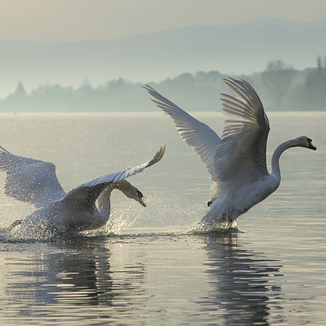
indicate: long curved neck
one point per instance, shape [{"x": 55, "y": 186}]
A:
[
  {"x": 103, "y": 200},
  {"x": 277, "y": 153}
]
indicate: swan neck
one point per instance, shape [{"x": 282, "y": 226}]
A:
[
  {"x": 277, "y": 154},
  {"x": 104, "y": 203}
]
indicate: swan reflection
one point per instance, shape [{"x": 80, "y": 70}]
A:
[
  {"x": 243, "y": 282},
  {"x": 71, "y": 273},
  {"x": 195, "y": 278}
]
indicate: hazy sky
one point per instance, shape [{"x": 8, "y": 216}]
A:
[{"x": 74, "y": 20}]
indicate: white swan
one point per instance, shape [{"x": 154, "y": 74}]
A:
[
  {"x": 83, "y": 208},
  {"x": 237, "y": 160}
]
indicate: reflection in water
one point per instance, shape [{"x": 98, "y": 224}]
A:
[
  {"x": 133, "y": 279},
  {"x": 168, "y": 279},
  {"x": 243, "y": 282},
  {"x": 73, "y": 273}
]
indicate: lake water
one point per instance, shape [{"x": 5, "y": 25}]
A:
[{"x": 145, "y": 269}]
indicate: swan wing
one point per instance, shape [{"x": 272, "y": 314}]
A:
[
  {"x": 242, "y": 150},
  {"x": 196, "y": 134},
  {"x": 30, "y": 180},
  {"x": 85, "y": 195}
]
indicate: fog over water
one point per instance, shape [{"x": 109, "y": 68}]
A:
[{"x": 232, "y": 49}]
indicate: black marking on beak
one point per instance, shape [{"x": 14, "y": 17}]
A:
[
  {"x": 311, "y": 146},
  {"x": 140, "y": 198}
]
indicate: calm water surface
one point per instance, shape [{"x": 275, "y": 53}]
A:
[{"x": 143, "y": 269}]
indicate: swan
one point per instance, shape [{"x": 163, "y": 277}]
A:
[
  {"x": 85, "y": 207},
  {"x": 237, "y": 160}
]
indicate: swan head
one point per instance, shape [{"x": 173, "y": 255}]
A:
[
  {"x": 130, "y": 191},
  {"x": 140, "y": 198},
  {"x": 304, "y": 141}
]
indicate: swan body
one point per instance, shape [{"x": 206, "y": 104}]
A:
[
  {"x": 236, "y": 161},
  {"x": 86, "y": 207}
]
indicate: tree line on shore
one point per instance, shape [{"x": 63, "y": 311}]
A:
[{"x": 281, "y": 88}]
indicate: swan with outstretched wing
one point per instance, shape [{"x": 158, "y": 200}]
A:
[
  {"x": 236, "y": 160},
  {"x": 35, "y": 182}
]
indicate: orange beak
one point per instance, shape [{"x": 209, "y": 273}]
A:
[{"x": 311, "y": 146}]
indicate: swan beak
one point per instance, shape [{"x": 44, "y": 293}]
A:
[
  {"x": 141, "y": 202},
  {"x": 311, "y": 146}
]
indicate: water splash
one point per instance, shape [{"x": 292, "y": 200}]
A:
[
  {"x": 219, "y": 226},
  {"x": 121, "y": 223}
]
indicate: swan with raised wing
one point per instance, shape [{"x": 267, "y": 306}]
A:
[
  {"x": 237, "y": 160},
  {"x": 86, "y": 207}
]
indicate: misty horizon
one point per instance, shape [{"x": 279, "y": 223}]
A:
[
  {"x": 154, "y": 57},
  {"x": 298, "y": 91}
]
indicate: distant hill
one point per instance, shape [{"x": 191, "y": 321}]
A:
[
  {"x": 280, "y": 90},
  {"x": 230, "y": 49}
]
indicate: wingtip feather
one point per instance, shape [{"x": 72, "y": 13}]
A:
[{"x": 158, "y": 156}]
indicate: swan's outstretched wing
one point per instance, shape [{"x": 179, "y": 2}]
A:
[
  {"x": 87, "y": 193},
  {"x": 30, "y": 180},
  {"x": 198, "y": 135},
  {"x": 242, "y": 151}
]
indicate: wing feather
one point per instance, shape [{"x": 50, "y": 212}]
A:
[
  {"x": 196, "y": 134},
  {"x": 87, "y": 193},
  {"x": 242, "y": 151},
  {"x": 30, "y": 180}
]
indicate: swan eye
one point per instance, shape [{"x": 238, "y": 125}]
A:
[
  {"x": 310, "y": 145},
  {"x": 209, "y": 203},
  {"x": 140, "y": 194}
]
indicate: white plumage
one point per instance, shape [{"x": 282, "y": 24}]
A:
[
  {"x": 237, "y": 160},
  {"x": 35, "y": 182}
]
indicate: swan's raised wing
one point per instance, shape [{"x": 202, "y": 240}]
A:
[
  {"x": 30, "y": 180},
  {"x": 242, "y": 151},
  {"x": 87, "y": 193},
  {"x": 198, "y": 135}
]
